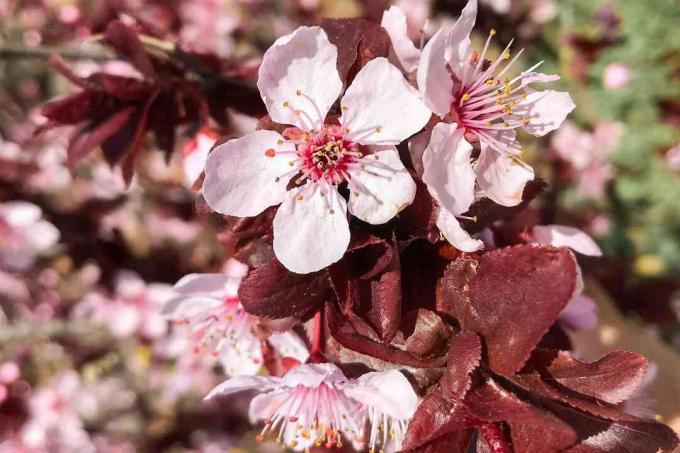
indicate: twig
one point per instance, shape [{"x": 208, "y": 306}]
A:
[{"x": 22, "y": 52}]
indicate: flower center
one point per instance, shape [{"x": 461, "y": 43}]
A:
[
  {"x": 484, "y": 98},
  {"x": 327, "y": 154}
]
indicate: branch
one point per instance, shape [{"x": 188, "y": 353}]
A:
[{"x": 22, "y": 52}]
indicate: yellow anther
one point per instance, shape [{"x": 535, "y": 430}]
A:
[
  {"x": 300, "y": 198},
  {"x": 286, "y": 104},
  {"x": 298, "y": 93},
  {"x": 506, "y": 54},
  {"x": 492, "y": 32},
  {"x": 279, "y": 142},
  {"x": 525, "y": 120},
  {"x": 465, "y": 97},
  {"x": 378, "y": 129}
]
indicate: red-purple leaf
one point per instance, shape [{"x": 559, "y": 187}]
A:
[
  {"x": 384, "y": 312},
  {"x": 515, "y": 296},
  {"x": 436, "y": 417},
  {"x": 628, "y": 437},
  {"x": 272, "y": 291},
  {"x": 89, "y": 137},
  {"x": 464, "y": 355},
  {"x": 613, "y": 378},
  {"x": 127, "y": 44},
  {"x": 532, "y": 429},
  {"x": 348, "y": 336},
  {"x": 454, "y": 287}
]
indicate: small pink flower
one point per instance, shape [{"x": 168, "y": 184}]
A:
[
  {"x": 207, "y": 26},
  {"x": 579, "y": 314},
  {"x": 24, "y": 234},
  {"x": 299, "y": 82},
  {"x": 673, "y": 158},
  {"x": 306, "y": 407},
  {"x": 565, "y": 236},
  {"x": 315, "y": 404},
  {"x": 480, "y": 104},
  {"x": 616, "y": 76},
  {"x": 207, "y": 308}
]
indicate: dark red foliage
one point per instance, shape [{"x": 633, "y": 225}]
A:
[
  {"x": 465, "y": 353},
  {"x": 511, "y": 300},
  {"x": 358, "y": 42},
  {"x": 272, "y": 291},
  {"x": 116, "y": 112}
]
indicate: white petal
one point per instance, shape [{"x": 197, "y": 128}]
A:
[
  {"x": 380, "y": 107},
  {"x": 455, "y": 234},
  {"x": 447, "y": 169},
  {"x": 241, "y": 179},
  {"x": 244, "y": 357},
  {"x": 403, "y": 53},
  {"x": 387, "y": 391},
  {"x": 302, "y": 62},
  {"x": 186, "y": 306},
  {"x": 289, "y": 344},
  {"x": 380, "y": 188},
  {"x": 313, "y": 375},
  {"x": 565, "y": 236},
  {"x": 458, "y": 41},
  {"x": 434, "y": 80},
  {"x": 546, "y": 110},
  {"x": 41, "y": 235},
  {"x": 194, "y": 284},
  {"x": 500, "y": 177},
  {"x": 242, "y": 383},
  {"x": 307, "y": 236},
  {"x": 20, "y": 213}
]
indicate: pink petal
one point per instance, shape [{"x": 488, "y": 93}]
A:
[
  {"x": 565, "y": 236},
  {"x": 455, "y": 234},
  {"x": 458, "y": 50},
  {"x": 313, "y": 375},
  {"x": 298, "y": 74},
  {"x": 434, "y": 81},
  {"x": 403, "y": 53},
  {"x": 380, "y": 107},
  {"x": 380, "y": 188},
  {"x": 307, "y": 236},
  {"x": 447, "y": 170},
  {"x": 387, "y": 391},
  {"x": 241, "y": 178},
  {"x": 244, "y": 358},
  {"x": 500, "y": 177},
  {"x": 289, "y": 344},
  {"x": 242, "y": 383},
  {"x": 546, "y": 110},
  {"x": 580, "y": 313}
]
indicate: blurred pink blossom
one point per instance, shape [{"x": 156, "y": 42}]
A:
[
  {"x": 673, "y": 158},
  {"x": 616, "y": 76},
  {"x": 24, "y": 234},
  {"x": 207, "y": 26}
]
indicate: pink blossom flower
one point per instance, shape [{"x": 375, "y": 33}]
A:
[
  {"x": 480, "y": 104},
  {"x": 580, "y": 313},
  {"x": 195, "y": 152},
  {"x": 208, "y": 309},
  {"x": 24, "y": 234},
  {"x": 208, "y": 25},
  {"x": 565, "y": 236},
  {"x": 299, "y": 82},
  {"x": 134, "y": 308},
  {"x": 315, "y": 404},
  {"x": 673, "y": 158},
  {"x": 616, "y": 76}
]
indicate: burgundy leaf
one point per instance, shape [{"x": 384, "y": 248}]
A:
[
  {"x": 345, "y": 333},
  {"x": 127, "y": 44},
  {"x": 425, "y": 333},
  {"x": 464, "y": 355},
  {"x": 419, "y": 218},
  {"x": 613, "y": 378},
  {"x": 454, "y": 287},
  {"x": 436, "y": 417},
  {"x": 494, "y": 437},
  {"x": 272, "y": 291},
  {"x": 532, "y": 429},
  {"x": 80, "y": 107},
  {"x": 89, "y": 137},
  {"x": 516, "y": 294},
  {"x": 384, "y": 312},
  {"x": 134, "y": 148},
  {"x": 628, "y": 437},
  {"x": 358, "y": 41},
  {"x": 126, "y": 88}
]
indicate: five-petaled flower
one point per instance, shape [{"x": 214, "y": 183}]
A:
[
  {"x": 316, "y": 405},
  {"x": 308, "y": 167},
  {"x": 478, "y": 102},
  {"x": 207, "y": 308}
]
